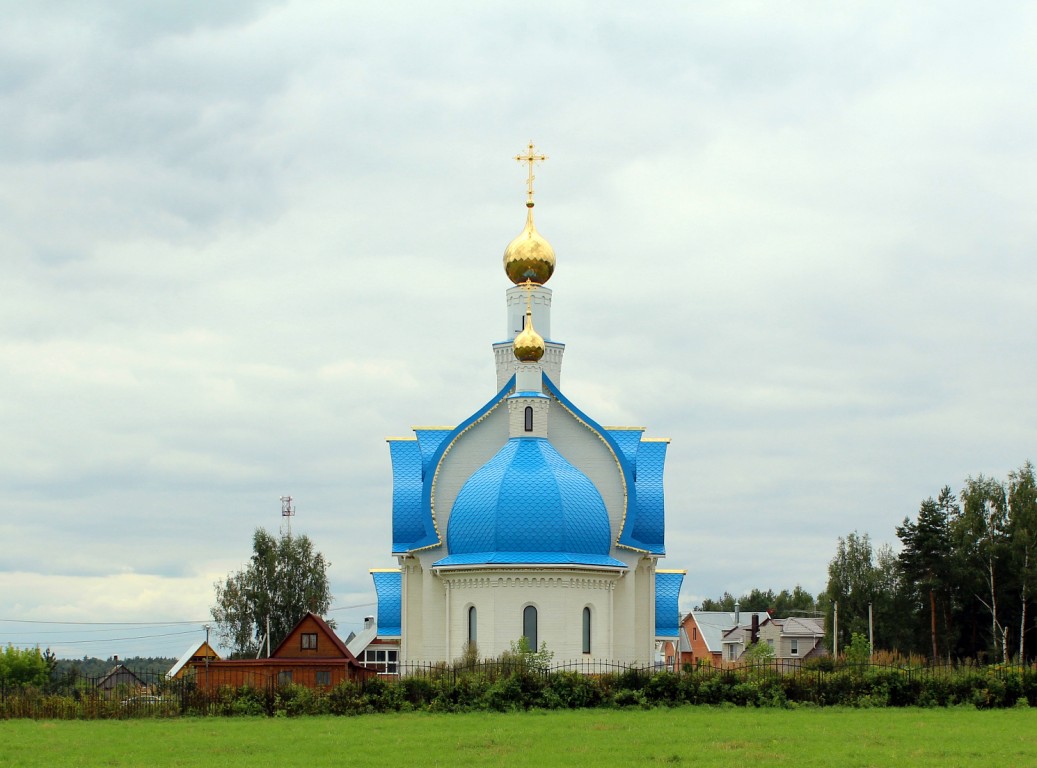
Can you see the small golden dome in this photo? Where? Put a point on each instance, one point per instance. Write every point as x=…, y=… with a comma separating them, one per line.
x=529, y=256
x=529, y=345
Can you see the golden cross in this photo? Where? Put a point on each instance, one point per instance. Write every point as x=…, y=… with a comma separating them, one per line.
x=528, y=285
x=530, y=157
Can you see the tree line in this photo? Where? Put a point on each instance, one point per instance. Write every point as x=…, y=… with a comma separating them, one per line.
x=961, y=586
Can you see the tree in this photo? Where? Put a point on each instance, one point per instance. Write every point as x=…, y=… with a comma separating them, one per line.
x=924, y=559
x=1022, y=530
x=782, y=604
x=852, y=584
x=980, y=533
x=284, y=579
x=23, y=666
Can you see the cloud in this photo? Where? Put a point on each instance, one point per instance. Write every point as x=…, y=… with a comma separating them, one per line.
x=244, y=243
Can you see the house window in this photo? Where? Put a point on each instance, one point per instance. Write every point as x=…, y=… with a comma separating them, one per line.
x=586, y=630
x=284, y=677
x=529, y=626
x=382, y=660
x=323, y=677
x=794, y=647
x=731, y=652
x=309, y=641
x=472, y=626
x=529, y=418
x=770, y=641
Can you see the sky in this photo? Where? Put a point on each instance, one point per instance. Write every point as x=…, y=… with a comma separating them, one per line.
x=244, y=242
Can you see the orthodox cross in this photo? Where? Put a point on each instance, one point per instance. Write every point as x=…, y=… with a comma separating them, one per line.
x=530, y=157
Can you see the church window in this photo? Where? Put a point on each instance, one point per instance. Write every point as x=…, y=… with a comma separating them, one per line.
x=472, y=626
x=529, y=626
x=309, y=641
x=586, y=630
x=529, y=418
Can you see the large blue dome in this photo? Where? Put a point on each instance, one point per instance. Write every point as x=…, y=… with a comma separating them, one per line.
x=528, y=505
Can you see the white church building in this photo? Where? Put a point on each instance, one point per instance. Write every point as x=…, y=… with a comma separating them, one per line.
x=528, y=518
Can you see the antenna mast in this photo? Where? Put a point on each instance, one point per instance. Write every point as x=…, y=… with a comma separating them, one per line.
x=287, y=513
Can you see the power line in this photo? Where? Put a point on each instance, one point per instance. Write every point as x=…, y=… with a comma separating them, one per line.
x=119, y=639
x=347, y=607
x=110, y=623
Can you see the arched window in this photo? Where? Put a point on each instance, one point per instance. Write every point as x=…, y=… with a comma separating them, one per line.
x=529, y=418
x=529, y=626
x=587, y=630
x=472, y=625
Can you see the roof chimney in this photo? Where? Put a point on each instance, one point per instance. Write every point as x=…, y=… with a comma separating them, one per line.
x=368, y=622
x=737, y=613
x=754, y=638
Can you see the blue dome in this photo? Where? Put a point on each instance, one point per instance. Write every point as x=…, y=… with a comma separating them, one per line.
x=529, y=505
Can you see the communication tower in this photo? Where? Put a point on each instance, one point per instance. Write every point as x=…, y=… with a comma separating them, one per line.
x=287, y=513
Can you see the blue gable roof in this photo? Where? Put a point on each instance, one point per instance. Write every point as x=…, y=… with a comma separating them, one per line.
x=388, y=586
x=667, y=610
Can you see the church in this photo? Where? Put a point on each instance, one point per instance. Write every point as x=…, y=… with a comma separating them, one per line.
x=528, y=519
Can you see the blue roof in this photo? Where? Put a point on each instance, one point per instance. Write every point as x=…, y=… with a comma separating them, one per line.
x=388, y=586
x=409, y=522
x=667, y=611
x=528, y=504
x=429, y=439
x=650, y=522
x=413, y=467
x=646, y=535
x=629, y=440
x=530, y=558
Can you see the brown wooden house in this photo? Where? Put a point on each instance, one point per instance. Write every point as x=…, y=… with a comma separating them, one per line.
x=311, y=655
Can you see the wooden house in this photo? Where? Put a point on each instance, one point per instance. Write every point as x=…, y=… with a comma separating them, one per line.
x=199, y=651
x=311, y=655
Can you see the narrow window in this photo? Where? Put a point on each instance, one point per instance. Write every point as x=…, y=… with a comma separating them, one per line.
x=529, y=626
x=694, y=633
x=794, y=647
x=586, y=630
x=472, y=626
x=529, y=418
x=309, y=641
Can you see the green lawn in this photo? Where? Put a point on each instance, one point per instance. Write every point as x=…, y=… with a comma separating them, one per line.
x=690, y=736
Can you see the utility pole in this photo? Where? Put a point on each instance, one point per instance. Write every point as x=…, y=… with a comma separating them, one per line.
x=835, y=630
x=207, y=627
x=871, y=634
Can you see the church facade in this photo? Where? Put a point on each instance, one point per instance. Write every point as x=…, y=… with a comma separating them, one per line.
x=528, y=519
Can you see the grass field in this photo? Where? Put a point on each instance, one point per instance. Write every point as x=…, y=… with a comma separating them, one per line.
x=690, y=735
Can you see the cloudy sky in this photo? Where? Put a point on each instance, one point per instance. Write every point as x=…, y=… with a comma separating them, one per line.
x=242, y=243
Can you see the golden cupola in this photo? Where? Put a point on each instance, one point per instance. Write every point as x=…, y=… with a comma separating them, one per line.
x=529, y=257
x=529, y=345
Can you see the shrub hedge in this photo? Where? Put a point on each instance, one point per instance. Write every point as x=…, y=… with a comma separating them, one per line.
x=525, y=688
